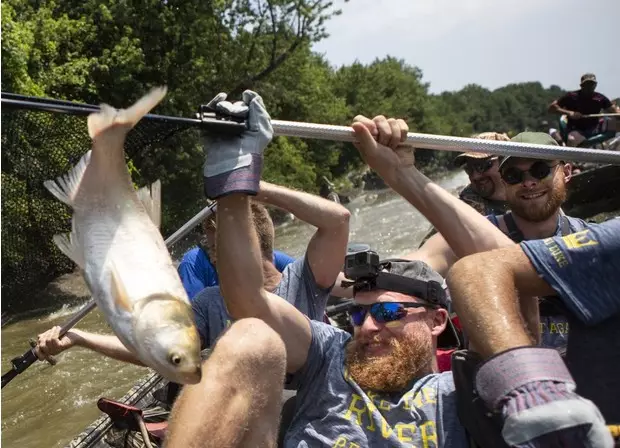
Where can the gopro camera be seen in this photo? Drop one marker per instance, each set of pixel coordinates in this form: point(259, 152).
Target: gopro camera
point(363, 264)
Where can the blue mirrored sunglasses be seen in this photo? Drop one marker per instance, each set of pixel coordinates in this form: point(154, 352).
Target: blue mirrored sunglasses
point(382, 312)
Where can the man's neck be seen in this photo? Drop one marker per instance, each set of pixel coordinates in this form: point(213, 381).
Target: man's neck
point(537, 230)
point(271, 276)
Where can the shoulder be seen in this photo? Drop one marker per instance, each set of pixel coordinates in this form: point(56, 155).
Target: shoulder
point(283, 257)
point(326, 334)
point(207, 297)
point(600, 97)
point(191, 255)
point(569, 96)
point(443, 382)
point(577, 224)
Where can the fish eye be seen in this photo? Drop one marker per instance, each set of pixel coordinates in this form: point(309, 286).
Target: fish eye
point(175, 359)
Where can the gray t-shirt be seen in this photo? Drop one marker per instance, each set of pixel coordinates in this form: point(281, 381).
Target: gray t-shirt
point(333, 411)
point(297, 287)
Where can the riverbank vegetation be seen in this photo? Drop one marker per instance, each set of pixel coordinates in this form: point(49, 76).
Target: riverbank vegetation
point(91, 51)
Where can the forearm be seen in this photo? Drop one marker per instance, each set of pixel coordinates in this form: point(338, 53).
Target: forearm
point(309, 208)
point(465, 230)
point(555, 108)
point(239, 258)
point(484, 297)
point(107, 345)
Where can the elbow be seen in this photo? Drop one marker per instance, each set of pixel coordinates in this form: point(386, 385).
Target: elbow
point(343, 217)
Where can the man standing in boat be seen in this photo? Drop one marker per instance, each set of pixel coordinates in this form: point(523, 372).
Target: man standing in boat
point(585, 101)
point(378, 387)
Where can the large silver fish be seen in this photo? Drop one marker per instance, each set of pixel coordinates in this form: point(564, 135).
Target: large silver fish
point(116, 241)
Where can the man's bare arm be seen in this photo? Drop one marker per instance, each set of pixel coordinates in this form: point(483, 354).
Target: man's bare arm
point(328, 246)
point(484, 286)
point(50, 344)
point(555, 108)
point(464, 229)
point(241, 280)
point(436, 253)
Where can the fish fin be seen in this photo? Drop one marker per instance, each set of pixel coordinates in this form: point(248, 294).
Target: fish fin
point(65, 187)
point(67, 244)
point(119, 293)
point(108, 116)
point(151, 200)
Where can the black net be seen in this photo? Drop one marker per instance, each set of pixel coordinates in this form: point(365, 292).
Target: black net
point(38, 145)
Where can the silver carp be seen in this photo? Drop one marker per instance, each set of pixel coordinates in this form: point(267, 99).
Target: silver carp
point(115, 240)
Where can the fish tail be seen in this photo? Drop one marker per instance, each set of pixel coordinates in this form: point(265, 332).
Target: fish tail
point(65, 187)
point(108, 116)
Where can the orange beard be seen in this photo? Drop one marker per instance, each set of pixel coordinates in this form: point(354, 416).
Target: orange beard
point(410, 357)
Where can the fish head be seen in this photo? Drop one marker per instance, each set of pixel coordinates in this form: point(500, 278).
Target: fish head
point(167, 337)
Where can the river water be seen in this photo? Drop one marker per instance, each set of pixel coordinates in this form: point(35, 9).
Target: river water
point(47, 406)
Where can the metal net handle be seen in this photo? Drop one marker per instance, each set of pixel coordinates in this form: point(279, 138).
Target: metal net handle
point(456, 144)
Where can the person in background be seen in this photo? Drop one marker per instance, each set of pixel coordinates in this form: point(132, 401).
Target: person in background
point(535, 191)
point(198, 265)
point(585, 101)
point(485, 192)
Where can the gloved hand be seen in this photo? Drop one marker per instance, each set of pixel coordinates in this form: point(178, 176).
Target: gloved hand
point(535, 393)
point(233, 164)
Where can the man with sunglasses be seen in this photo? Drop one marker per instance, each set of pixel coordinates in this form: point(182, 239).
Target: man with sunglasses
point(485, 192)
point(377, 387)
point(585, 101)
point(535, 190)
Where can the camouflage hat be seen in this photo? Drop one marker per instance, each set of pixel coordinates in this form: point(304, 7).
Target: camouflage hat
point(536, 138)
point(588, 77)
point(461, 159)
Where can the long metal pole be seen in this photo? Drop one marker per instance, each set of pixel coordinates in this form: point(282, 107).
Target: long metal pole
point(456, 144)
point(21, 363)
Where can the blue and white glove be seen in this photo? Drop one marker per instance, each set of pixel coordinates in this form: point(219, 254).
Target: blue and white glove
point(234, 164)
point(535, 394)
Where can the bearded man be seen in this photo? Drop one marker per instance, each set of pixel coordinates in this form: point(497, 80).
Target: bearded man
point(535, 191)
point(378, 387)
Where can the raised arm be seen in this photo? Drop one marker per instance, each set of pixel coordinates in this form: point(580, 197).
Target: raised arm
point(232, 172)
point(464, 230)
point(328, 246)
point(241, 280)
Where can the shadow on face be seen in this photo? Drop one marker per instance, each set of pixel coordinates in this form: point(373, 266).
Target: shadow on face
point(487, 183)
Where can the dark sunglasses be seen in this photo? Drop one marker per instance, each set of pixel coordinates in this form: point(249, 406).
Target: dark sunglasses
point(382, 312)
point(539, 170)
point(478, 166)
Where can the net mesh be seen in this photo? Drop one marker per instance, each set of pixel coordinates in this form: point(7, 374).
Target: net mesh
point(38, 145)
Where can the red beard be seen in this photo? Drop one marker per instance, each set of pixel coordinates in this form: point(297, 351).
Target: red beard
point(410, 357)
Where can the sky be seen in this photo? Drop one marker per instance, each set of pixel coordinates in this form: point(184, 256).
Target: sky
point(487, 42)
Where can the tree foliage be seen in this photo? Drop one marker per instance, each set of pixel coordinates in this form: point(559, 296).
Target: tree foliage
point(112, 51)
